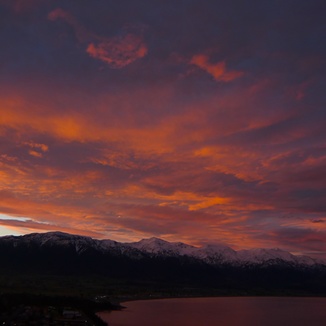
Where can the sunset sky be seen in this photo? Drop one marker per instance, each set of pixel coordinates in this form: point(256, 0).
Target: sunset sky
point(201, 121)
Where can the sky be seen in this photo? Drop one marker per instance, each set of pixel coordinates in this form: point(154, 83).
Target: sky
point(201, 121)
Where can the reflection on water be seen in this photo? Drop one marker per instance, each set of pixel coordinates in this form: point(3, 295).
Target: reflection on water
point(238, 311)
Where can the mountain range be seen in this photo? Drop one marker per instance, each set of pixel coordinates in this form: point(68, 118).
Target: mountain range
point(215, 254)
point(161, 264)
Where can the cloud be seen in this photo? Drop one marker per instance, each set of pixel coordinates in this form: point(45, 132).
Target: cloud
point(36, 150)
point(318, 221)
point(60, 13)
point(35, 153)
point(117, 51)
point(304, 238)
point(217, 70)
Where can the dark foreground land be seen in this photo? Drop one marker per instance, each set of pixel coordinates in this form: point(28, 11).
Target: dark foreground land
point(37, 292)
point(30, 309)
point(74, 299)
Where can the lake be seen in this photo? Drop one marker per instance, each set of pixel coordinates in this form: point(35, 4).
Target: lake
point(221, 311)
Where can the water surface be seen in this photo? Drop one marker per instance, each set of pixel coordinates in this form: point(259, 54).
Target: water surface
point(230, 311)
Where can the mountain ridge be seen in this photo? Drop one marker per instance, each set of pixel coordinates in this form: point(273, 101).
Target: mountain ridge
point(212, 254)
point(67, 262)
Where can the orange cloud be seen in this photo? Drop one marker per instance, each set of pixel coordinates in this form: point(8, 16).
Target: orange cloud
point(42, 147)
point(161, 136)
point(217, 70)
point(36, 150)
point(209, 202)
point(35, 153)
point(117, 51)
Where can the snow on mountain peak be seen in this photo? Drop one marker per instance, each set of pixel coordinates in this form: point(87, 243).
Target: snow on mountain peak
point(219, 253)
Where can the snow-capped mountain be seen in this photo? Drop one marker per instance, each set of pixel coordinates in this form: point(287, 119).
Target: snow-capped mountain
point(216, 254)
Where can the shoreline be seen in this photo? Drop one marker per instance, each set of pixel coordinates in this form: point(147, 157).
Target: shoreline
point(131, 298)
